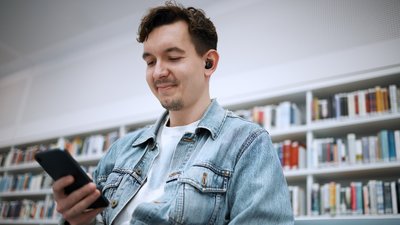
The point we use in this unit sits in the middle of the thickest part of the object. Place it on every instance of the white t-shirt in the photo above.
(167, 139)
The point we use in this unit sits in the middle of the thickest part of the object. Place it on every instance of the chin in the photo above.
(172, 105)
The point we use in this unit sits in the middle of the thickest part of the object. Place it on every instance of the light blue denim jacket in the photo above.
(227, 172)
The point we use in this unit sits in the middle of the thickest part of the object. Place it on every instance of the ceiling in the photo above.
(32, 32)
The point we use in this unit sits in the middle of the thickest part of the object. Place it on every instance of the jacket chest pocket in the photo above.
(201, 191)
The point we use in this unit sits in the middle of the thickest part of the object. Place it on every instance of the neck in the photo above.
(189, 114)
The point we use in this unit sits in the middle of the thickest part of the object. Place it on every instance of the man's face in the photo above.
(175, 72)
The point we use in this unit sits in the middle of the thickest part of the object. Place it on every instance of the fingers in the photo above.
(85, 217)
(73, 207)
(83, 196)
(80, 208)
(60, 184)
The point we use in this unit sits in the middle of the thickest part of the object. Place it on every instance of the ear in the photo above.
(210, 58)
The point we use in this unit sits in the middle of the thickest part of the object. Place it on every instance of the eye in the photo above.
(150, 63)
(175, 58)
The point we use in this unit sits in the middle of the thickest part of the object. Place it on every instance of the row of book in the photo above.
(297, 200)
(383, 147)
(26, 181)
(280, 116)
(23, 155)
(292, 154)
(90, 145)
(375, 197)
(31, 182)
(357, 103)
(28, 209)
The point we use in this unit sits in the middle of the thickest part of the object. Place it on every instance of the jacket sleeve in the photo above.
(258, 192)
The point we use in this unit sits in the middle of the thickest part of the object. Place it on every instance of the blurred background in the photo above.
(73, 67)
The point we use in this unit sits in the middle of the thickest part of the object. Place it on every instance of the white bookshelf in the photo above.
(26, 193)
(306, 132)
(28, 221)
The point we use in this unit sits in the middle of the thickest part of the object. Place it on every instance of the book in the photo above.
(385, 99)
(302, 157)
(361, 103)
(394, 197)
(294, 155)
(397, 143)
(359, 151)
(297, 198)
(384, 144)
(332, 198)
(269, 117)
(337, 104)
(391, 145)
(286, 154)
(387, 197)
(393, 98)
(344, 110)
(366, 200)
(351, 146)
(283, 115)
(365, 149)
(380, 200)
(351, 105)
(379, 99)
(398, 193)
(315, 199)
(373, 197)
(342, 152)
(372, 148)
(315, 109)
(372, 100)
(295, 115)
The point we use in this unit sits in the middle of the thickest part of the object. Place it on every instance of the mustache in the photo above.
(166, 81)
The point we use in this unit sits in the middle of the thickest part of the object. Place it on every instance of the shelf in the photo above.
(354, 220)
(88, 160)
(359, 124)
(35, 167)
(296, 175)
(26, 193)
(28, 221)
(358, 170)
(23, 167)
(294, 133)
(349, 217)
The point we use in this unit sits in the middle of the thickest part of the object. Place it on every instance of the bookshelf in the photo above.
(305, 129)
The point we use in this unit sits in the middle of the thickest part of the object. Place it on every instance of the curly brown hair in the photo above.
(201, 30)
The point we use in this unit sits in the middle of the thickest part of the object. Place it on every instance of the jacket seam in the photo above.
(248, 142)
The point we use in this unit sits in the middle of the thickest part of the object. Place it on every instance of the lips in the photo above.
(163, 85)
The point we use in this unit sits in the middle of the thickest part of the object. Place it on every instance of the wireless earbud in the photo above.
(209, 64)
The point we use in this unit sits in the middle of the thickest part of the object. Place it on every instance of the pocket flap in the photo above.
(205, 179)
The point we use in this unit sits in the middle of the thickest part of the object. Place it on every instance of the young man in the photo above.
(198, 164)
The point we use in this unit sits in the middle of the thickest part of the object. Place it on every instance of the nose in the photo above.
(160, 70)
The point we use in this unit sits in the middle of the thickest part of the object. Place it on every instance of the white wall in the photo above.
(266, 47)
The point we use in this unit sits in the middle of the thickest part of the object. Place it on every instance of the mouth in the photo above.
(164, 86)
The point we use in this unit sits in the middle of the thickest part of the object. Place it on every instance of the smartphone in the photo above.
(59, 163)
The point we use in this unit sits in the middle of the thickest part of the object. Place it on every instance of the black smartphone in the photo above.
(59, 163)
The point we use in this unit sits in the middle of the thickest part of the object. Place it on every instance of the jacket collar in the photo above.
(212, 121)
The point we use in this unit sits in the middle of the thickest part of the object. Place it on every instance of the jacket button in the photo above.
(114, 203)
(138, 172)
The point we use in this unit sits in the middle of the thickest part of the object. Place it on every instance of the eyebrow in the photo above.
(168, 50)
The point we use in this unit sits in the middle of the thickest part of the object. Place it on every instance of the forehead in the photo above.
(168, 36)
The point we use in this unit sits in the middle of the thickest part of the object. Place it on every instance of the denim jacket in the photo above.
(227, 172)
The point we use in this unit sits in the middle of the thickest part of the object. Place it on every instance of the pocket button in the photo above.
(114, 203)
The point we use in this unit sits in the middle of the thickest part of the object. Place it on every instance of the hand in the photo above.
(73, 207)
